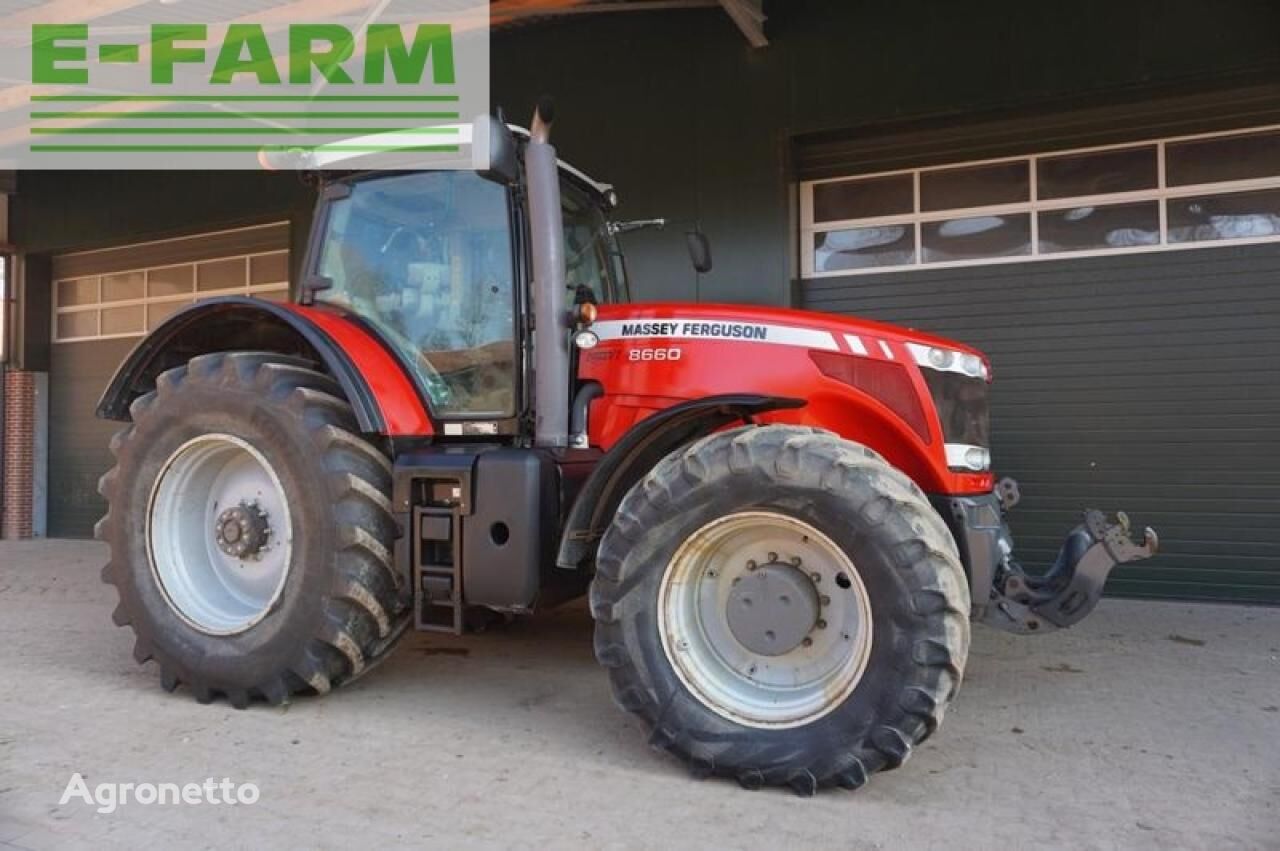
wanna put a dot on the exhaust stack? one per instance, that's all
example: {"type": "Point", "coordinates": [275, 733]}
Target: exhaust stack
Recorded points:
{"type": "Point", "coordinates": [550, 297]}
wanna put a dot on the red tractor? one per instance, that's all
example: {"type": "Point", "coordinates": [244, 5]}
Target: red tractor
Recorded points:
{"type": "Point", "coordinates": [785, 520]}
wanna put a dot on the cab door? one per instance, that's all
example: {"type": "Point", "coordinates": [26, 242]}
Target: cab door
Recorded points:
{"type": "Point", "coordinates": [426, 260]}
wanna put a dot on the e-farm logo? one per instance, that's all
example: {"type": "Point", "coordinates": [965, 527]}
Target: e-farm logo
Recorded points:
{"type": "Point", "coordinates": [183, 85]}
{"type": "Point", "coordinates": [59, 54]}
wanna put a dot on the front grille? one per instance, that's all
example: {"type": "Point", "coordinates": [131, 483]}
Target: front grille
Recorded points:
{"type": "Point", "coordinates": [962, 407]}
{"type": "Point", "coordinates": [885, 381]}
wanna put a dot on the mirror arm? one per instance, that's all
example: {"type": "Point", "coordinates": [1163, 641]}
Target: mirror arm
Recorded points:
{"type": "Point", "coordinates": [311, 285]}
{"type": "Point", "coordinates": [616, 228]}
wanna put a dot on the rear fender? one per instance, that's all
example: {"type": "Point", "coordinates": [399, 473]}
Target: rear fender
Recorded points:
{"type": "Point", "coordinates": [636, 453]}
{"type": "Point", "coordinates": [237, 323]}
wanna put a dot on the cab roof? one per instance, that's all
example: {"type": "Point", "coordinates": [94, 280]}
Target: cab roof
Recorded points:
{"type": "Point", "coordinates": [332, 155]}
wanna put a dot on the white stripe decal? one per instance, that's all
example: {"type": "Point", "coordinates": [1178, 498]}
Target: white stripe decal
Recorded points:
{"type": "Point", "coordinates": [714, 329]}
{"type": "Point", "coordinates": [855, 343]}
{"type": "Point", "coordinates": [884, 347]}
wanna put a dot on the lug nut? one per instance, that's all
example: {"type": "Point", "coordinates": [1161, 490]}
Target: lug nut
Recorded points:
{"type": "Point", "coordinates": [816, 577]}
{"type": "Point", "coordinates": [751, 564]}
{"type": "Point", "coordinates": [795, 561]}
{"type": "Point", "coordinates": [821, 624]}
{"type": "Point", "coordinates": [808, 642]}
{"type": "Point", "coordinates": [825, 600]}
{"type": "Point", "coordinates": [773, 557]}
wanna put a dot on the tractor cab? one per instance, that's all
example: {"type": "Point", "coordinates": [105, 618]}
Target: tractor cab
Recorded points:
{"type": "Point", "coordinates": [437, 264]}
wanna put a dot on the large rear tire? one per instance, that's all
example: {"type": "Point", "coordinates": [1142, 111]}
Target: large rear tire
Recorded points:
{"type": "Point", "coordinates": [251, 531]}
{"type": "Point", "coordinates": [783, 607]}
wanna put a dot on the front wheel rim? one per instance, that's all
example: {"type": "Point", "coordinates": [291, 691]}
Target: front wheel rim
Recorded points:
{"type": "Point", "coordinates": [791, 688]}
{"type": "Point", "coordinates": [219, 534]}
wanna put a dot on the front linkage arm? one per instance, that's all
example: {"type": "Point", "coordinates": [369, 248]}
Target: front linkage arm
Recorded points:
{"type": "Point", "coordinates": [1004, 595]}
{"type": "Point", "coordinates": [1073, 584]}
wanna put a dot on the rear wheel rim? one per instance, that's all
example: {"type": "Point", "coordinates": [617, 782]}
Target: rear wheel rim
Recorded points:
{"type": "Point", "coordinates": [790, 688]}
{"type": "Point", "coordinates": [219, 534]}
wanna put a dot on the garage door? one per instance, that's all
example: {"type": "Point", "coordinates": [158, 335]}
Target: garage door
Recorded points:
{"type": "Point", "coordinates": [1129, 297]}
{"type": "Point", "coordinates": [103, 302]}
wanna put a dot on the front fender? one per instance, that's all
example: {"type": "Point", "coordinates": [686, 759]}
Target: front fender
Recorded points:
{"type": "Point", "coordinates": [861, 418]}
{"type": "Point", "coordinates": [636, 453]}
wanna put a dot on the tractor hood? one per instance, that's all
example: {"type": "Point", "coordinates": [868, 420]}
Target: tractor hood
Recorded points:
{"type": "Point", "coordinates": [918, 399]}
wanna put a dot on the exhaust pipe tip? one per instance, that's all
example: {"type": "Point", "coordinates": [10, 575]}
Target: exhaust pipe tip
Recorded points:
{"type": "Point", "coordinates": [543, 114]}
{"type": "Point", "coordinates": [283, 159]}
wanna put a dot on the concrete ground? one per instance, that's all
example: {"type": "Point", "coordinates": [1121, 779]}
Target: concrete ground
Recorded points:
{"type": "Point", "coordinates": [1150, 725]}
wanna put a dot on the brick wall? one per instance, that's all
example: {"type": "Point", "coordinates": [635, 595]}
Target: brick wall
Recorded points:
{"type": "Point", "coordinates": [19, 446]}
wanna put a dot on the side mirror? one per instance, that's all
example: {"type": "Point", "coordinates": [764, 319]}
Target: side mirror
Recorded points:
{"type": "Point", "coordinates": [699, 251]}
{"type": "Point", "coordinates": [493, 150]}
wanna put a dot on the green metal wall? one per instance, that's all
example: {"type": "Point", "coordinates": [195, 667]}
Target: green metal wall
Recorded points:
{"type": "Point", "coordinates": [690, 122]}
{"type": "Point", "coordinates": [1147, 382]}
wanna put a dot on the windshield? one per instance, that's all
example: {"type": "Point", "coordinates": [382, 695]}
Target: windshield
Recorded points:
{"type": "Point", "coordinates": [426, 258]}
{"type": "Point", "coordinates": [593, 258]}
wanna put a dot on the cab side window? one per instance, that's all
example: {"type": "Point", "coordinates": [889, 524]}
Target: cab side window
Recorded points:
{"type": "Point", "coordinates": [426, 258]}
{"type": "Point", "coordinates": [592, 257]}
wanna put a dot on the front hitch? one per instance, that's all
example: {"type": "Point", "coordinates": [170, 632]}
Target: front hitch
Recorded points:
{"type": "Point", "coordinates": [1064, 595]}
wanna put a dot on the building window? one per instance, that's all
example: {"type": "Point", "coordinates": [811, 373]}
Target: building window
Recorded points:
{"type": "Point", "coordinates": [1154, 195]}
{"type": "Point", "coordinates": [133, 302]}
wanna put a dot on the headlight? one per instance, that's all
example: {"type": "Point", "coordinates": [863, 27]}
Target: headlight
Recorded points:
{"type": "Point", "coordinates": [947, 360]}
{"type": "Point", "coordinates": [586, 339]}
{"type": "Point", "coordinates": [962, 456]}
{"type": "Point", "coordinates": [958, 385]}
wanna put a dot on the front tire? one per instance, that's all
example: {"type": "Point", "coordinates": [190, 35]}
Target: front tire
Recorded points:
{"type": "Point", "coordinates": [859, 632]}
{"type": "Point", "coordinates": [251, 531]}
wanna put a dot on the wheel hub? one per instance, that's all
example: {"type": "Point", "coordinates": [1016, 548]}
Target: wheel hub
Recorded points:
{"type": "Point", "coordinates": [242, 530]}
{"type": "Point", "coordinates": [770, 662]}
{"type": "Point", "coordinates": [217, 502]}
{"type": "Point", "coordinates": [772, 610]}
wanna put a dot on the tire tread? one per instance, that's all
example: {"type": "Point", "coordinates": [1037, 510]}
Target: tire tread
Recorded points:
{"type": "Point", "coordinates": [882, 495]}
{"type": "Point", "coordinates": [365, 611]}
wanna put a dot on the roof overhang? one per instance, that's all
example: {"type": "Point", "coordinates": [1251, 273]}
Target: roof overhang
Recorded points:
{"type": "Point", "coordinates": [747, 15]}
{"type": "Point", "coordinates": [338, 155]}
